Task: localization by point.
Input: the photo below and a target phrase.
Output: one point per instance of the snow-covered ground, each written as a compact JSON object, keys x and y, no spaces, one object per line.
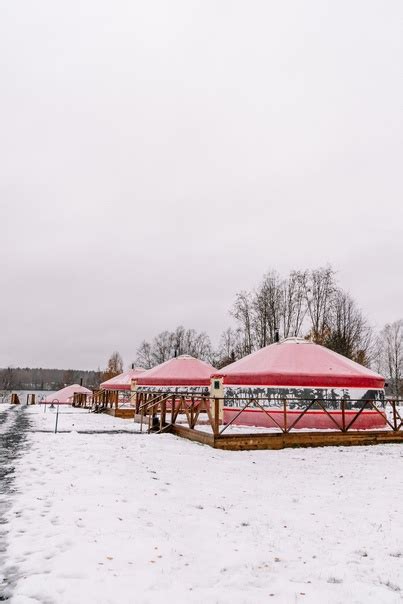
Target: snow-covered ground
{"x":76,"y":419}
{"x":124,"y":517}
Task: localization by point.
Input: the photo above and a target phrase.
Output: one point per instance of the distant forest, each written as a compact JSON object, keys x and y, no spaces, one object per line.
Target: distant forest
{"x":25,"y":378}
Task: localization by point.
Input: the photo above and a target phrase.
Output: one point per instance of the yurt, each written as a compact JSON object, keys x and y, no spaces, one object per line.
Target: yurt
{"x":66,"y":395}
{"x":123,"y":381}
{"x":287,"y":376}
{"x":182,"y":373}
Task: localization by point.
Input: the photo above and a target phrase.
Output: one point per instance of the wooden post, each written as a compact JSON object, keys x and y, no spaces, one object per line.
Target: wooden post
{"x":394,"y":415}
{"x":163,"y":414}
{"x":285,"y":414}
{"x":343,"y":415}
{"x":173,"y":399}
{"x":217,"y":403}
{"x":192,"y":402}
{"x":133,"y":395}
{"x":216,"y":427}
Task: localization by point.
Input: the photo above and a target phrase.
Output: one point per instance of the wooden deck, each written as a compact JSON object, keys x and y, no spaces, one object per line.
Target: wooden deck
{"x":168,"y":409}
{"x":279,"y":440}
{"x":245,"y":442}
{"x":124,"y":412}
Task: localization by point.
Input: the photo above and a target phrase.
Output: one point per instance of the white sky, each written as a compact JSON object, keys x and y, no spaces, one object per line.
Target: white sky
{"x":156,"y":157}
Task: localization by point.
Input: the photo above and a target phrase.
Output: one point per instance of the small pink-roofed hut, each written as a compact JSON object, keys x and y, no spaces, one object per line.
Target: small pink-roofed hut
{"x":123,"y":381}
{"x":294,"y":373}
{"x":183,"y":375}
{"x":65,"y":395}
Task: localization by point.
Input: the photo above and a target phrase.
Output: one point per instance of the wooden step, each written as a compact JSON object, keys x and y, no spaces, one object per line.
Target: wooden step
{"x":122,"y":413}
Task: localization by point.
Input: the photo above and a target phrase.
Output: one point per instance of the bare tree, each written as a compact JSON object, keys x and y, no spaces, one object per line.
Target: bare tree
{"x":306,"y":301}
{"x":347,"y":331}
{"x":168,"y":344}
{"x":189,"y":341}
{"x":391,"y":347}
{"x":319,"y":287}
{"x":114,"y":367}
{"x":230,"y":348}
{"x":242,"y":311}
{"x":309,"y":299}
{"x":144,"y":355}
{"x":276,"y":305}
{"x":267,"y":309}
{"x":293,"y":305}
{"x":200,"y":346}
{"x":162,"y":347}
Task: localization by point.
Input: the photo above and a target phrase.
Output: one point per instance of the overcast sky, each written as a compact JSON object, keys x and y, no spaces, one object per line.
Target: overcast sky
{"x":157,"y":157}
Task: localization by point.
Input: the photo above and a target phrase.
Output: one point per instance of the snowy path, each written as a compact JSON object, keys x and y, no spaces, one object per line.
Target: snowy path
{"x":13,"y":427}
{"x":113,"y":518}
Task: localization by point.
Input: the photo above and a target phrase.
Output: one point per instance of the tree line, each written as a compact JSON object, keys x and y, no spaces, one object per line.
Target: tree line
{"x":27,"y":378}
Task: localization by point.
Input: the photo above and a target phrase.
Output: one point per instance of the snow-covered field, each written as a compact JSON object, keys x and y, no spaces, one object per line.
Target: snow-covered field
{"x":77,"y":419}
{"x":124,"y":517}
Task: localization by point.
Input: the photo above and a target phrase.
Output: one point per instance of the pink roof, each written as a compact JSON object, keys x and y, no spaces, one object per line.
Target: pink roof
{"x":297,"y":362}
{"x":65,"y":395}
{"x":122,"y":381}
{"x":179,"y":371}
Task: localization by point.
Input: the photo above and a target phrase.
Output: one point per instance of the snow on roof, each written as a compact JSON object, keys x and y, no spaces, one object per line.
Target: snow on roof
{"x":123,"y":380}
{"x":65,"y":395}
{"x":184,"y":370}
{"x":298,"y":362}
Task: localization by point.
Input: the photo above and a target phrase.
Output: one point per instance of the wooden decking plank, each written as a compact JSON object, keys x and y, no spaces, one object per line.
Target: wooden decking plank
{"x":244,"y":442}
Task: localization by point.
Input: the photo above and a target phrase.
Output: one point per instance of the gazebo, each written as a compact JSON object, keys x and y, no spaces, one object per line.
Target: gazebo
{"x":123,"y":381}
{"x":185,"y":376}
{"x":66,"y":395}
{"x":296,"y":374}
{"x":180,"y":373}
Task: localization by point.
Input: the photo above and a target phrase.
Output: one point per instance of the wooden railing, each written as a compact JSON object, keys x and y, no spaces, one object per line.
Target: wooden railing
{"x":98,"y":400}
{"x":162,"y":410}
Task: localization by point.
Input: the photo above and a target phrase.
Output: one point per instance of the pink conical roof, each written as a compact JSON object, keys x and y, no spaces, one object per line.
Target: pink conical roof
{"x":179,"y":371}
{"x":297,"y":362}
{"x":65,"y":395}
{"x":122,"y":381}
